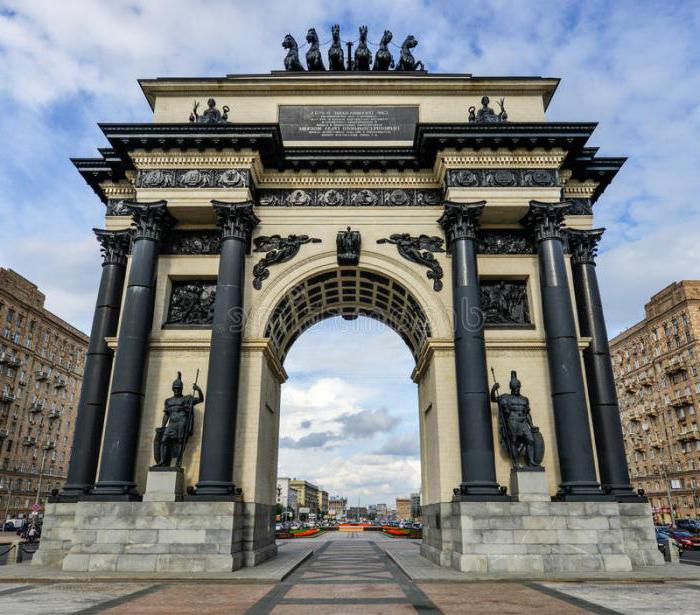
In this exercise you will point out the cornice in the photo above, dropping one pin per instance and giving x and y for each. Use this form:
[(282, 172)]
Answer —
[(577, 189), (502, 158), (121, 190)]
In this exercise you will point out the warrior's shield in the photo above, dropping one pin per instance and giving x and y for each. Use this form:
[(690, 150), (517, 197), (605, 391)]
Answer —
[(538, 452), (156, 444)]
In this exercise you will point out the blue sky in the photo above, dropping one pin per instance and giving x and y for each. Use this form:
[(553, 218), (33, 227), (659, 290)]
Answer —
[(630, 65)]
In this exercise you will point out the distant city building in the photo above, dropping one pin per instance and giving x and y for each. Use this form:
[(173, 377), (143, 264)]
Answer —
[(323, 503), (41, 372), (403, 508), (357, 512), (287, 496), (337, 506), (657, 374), (415, 506), (382, 511), (307, 495)]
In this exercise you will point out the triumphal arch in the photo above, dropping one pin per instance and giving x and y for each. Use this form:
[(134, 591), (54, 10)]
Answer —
[(253, 206)]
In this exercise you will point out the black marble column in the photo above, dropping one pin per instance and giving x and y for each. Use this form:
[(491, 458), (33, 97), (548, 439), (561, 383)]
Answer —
[(237, 222), (576, 463), (98, 367), (116, 476), (602, 396), (460, 222)]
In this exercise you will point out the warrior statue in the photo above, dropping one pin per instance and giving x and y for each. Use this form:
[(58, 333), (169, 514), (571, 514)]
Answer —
[(336, 57), (407, 61), (383, 60), (517, 433), (363, 55), (291, 61), (178, 418), (486, 115), (314, 59), (348, 245), (211, 115)]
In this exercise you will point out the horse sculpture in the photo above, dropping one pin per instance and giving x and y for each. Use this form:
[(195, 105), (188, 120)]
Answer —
[(363, 55), (314, 59), (336, 57), (407, 61), (383, 60), (291, 61)]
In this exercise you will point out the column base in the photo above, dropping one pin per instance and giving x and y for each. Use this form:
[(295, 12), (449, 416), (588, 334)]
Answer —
[(581, 492), (481, 492), (213, 491), (624, 493), (108, 491), (71, 493)]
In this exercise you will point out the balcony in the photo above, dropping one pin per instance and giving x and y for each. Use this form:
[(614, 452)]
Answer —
[(630, 385), (675, 365), (645, 380), (7, 397), (3, 434), (29, 441), (12, 361), (651, 409), (36, 406), (22, 382), (687, 436), (59, 382), (54, 414), (42, 375), (681, 400)]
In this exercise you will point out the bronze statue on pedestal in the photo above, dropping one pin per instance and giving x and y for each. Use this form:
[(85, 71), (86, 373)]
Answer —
[(517, 433), (178, 420)]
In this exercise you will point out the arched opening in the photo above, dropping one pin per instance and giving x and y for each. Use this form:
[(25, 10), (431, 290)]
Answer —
[(349, 420), (347, 292)]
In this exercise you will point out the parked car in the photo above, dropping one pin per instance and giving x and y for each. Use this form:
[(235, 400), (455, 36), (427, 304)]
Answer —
[(662, 535), (9, 526), (689, 525), (686, 539)]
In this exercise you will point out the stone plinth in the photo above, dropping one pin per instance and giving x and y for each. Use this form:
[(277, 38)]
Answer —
[(57, 534), (529, 485), (146, 537), (540, 537), (164, 485)]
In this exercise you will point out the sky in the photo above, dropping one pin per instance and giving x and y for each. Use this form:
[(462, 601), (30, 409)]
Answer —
[(632, 66)]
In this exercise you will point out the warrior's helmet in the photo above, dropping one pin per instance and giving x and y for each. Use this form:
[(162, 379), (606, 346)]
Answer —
[(514, 383), (177, 383)]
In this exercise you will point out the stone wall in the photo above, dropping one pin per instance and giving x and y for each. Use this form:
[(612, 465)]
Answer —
[(258, 533), (540, 537), (144, 537)]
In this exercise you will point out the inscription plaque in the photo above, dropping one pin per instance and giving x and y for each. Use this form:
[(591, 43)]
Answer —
[(348, 122)]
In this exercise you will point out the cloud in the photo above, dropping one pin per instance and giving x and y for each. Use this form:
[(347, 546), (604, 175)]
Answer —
[(366, 423), (312, 440), (401, 445)]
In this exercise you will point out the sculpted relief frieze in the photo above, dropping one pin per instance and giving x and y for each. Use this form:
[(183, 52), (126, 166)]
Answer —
[(502, 178), (350, 197), (193, 178)]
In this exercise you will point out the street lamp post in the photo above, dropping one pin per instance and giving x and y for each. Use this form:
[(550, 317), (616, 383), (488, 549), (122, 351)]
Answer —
[(49, 446), (7, 506)]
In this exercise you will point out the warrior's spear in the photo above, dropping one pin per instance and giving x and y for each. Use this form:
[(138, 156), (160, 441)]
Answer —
[(503, 425)]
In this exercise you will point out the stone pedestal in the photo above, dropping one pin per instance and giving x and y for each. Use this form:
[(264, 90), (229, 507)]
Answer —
[(529, 485), (144, 537), (164, 485), (540, 536)]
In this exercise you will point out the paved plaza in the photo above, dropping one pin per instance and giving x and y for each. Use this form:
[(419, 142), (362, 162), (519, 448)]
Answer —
[(346, 573)]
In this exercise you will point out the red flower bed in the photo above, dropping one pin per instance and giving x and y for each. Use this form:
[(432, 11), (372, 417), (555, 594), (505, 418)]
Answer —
[(305, 533), (403, 532)]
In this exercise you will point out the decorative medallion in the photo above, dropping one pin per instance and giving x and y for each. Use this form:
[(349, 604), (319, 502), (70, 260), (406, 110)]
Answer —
[(331, 198), (192, 242)]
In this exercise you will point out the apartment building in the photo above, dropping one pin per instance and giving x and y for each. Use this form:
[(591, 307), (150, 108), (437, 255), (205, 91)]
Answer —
[(41, 369), (657, 373)]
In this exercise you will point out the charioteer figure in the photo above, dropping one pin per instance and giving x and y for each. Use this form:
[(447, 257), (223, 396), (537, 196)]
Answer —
[(517, 433), (178, 420)]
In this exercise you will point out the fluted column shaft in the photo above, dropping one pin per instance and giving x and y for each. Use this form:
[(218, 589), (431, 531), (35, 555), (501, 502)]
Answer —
[(116, 476), (602, 396), (576, 463), (237, 221), (460, 222), (89, 420)]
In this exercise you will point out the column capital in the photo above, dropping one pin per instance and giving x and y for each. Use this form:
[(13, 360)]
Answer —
[(460, 220), (237, 220), (584, 245), (114, 245), (544, 220), (151, 220)]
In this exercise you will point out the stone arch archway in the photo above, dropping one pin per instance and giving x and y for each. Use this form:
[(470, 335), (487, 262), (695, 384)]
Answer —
[(300, 299)]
